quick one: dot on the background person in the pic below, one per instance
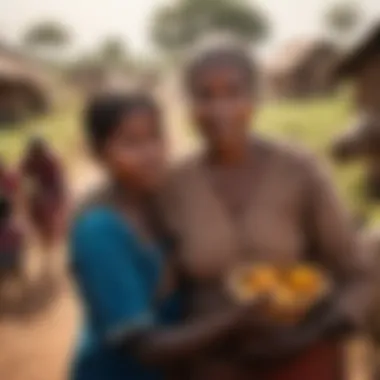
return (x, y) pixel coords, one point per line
(45, 193)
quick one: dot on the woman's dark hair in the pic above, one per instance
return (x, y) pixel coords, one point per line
(104, 112)
(225, 54)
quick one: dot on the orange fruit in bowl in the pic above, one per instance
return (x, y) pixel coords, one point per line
(248, 282)
(264, 278)
(305, 280)
(292, 291)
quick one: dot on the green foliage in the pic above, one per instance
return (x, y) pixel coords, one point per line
(60, 129)
(49, 34)
(112, 51)
(177, 26)
(343, 17)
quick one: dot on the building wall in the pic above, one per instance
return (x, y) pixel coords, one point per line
(367, 86)
(310, 77)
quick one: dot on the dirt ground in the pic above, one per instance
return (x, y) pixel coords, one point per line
(38, 346)
(37, 332)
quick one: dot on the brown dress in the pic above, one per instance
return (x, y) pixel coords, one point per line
(292, 214)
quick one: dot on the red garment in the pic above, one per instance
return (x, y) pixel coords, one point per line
(324, 361)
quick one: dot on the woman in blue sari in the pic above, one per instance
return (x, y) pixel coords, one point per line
(132, 326)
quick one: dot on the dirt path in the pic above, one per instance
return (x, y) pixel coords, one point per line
(38, 345)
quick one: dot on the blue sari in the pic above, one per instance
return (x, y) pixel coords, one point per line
(117, 276)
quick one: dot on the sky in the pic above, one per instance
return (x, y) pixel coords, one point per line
(89, 21)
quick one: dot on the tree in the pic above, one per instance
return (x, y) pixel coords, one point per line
(47, 35)
(112, 51)
(177, 26)
(342, 18)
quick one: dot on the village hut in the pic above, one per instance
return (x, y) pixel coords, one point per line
(24, 88)
(361, 65)
(301, 69)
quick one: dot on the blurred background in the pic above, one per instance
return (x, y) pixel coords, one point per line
(55, 53)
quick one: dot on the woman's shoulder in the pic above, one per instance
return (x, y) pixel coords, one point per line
(289, 156)
(95, 213)
(96, 224)
(95, 232)
(184, 171)
(95, 217)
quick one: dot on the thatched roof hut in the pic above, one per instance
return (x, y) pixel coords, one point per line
(25, 87)
(301, 68)
(367, 49)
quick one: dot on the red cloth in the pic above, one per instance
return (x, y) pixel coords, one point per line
(324, 361)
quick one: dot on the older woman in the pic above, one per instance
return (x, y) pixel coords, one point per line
(247, 199)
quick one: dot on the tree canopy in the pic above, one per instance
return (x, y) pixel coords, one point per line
(47, 34)
(113, 51)
(343, 17)
(179, 25)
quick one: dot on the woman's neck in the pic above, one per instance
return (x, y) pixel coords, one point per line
(128, 197)
(235, 154)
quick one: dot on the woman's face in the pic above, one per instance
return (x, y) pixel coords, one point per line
(222, 103)
(135, 154)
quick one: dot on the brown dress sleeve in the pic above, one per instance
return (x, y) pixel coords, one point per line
(333, 242)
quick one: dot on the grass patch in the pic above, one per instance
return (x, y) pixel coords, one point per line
(60, 129)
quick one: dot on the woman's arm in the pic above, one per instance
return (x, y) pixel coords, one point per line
(161, 346)
(116, 299)
(335, 245)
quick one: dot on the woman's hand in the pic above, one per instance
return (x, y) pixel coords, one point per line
(282, 343)
(251, 318)
(284, 346)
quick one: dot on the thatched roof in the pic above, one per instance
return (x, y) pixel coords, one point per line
(367, 48)
(16, 67)
(295, 53)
